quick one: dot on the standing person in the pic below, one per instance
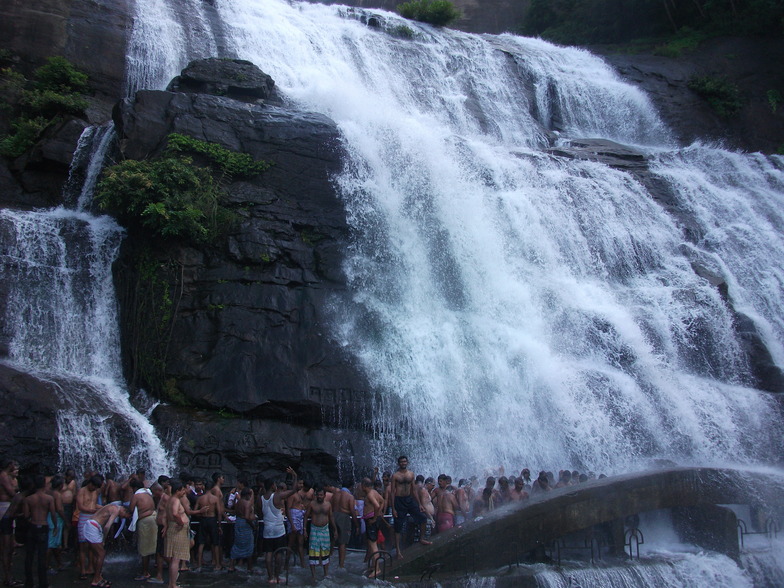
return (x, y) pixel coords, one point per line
(69, 498)
(447, 506)
(374, 504)
(36, 508)
(345, 513)
(244, 528)
(57, 524)
(296, 505)
(97, 527)
(322, 520)
(143, 508)
(9, 488)
(87, 505)
(406, 503)
(177, 542)
(274, 537)
(210, 529)
(518, 492)
(160, 521)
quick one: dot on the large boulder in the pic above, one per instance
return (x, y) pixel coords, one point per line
(251, 331)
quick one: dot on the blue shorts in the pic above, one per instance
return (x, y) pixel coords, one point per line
(406, 505)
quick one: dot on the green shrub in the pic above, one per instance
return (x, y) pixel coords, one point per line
(434, 12)
(25, 132)
(228, 162)
(172, 197)
(685, 41)
(59, 75)
(57, 90)
(722, 95)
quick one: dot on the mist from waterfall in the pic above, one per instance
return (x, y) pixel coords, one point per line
(61, 318)
(526, 309)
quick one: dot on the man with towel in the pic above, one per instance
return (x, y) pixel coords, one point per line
(142, 506)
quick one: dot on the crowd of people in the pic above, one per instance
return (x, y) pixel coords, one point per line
(174, 520)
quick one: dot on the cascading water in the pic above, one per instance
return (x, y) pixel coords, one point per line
(525, 308)
(61, 316)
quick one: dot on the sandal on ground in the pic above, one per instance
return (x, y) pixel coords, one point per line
(142, 578)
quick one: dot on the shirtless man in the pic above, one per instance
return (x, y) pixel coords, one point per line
(57, 523)
(424, 489)
(69, 498)
(112, 491)
(146, 527)
(36, 508)
(210, 529)
(95, 530)
(87, 504)
(374, 504)
(9, 487)
(297, 504)
(463, 501)
(406, 503)
(160, 520)
(177, 543)
(518, 492)
(244, 531)
(322, 520)
(345, 513)
(447, 506)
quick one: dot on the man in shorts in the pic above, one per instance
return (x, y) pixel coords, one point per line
(406, 503)
(272, 504)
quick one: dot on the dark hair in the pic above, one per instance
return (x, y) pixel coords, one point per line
(402, 457)
(135, 483)
(39, 481)
(243, 480)
(96, 480)
(215, 477)
(367, 482)
(176, 485)
(57, 482)
(420, 478)
(163, 479)
(246, 491)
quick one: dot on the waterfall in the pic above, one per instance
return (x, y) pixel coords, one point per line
(525, 308)
(61, 317)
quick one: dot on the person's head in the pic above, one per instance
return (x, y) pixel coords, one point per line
(503, 482)
(544, 482)
(242, 482)
(10, 467)
(430, 484)
(526, 474)
(199, 484)
(141, 474)
(135, 484)
(402, 462)
(39, 482)
(583, 478)
(57, 482)
(367, 484)
(70, 474)
(270, 485)
(178, 488)
(490, 482)
(420, 479)
(321, 494)
(157, 491)
(163, 480)
(217, 479)
(518, 484)
(385, 477)
(96, 481)
(566, 476)
(246, 493)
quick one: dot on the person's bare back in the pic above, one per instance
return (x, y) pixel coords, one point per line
(37, 506)
(209, 505)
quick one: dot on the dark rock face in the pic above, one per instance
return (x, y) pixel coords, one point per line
(79, 30)
(233, 78)
(209, 442)
(251, 326)
(751, 64)
(28, 420)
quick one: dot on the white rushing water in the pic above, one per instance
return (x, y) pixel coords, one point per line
(61, 318)
(526, 309)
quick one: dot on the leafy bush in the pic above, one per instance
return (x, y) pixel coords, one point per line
(172, 197)
(57, 90)
(24, 133)
(722, 95)
(685, 41)
(59, 75)
(434, 12)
